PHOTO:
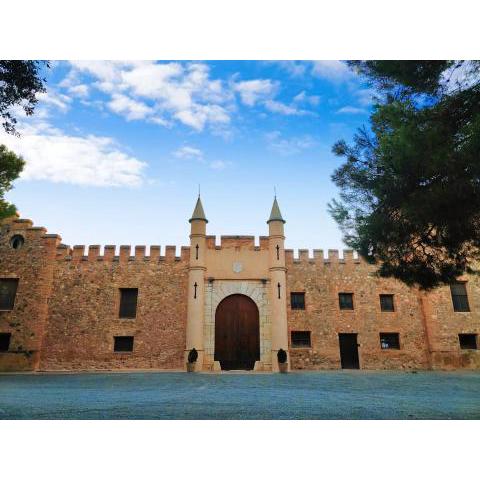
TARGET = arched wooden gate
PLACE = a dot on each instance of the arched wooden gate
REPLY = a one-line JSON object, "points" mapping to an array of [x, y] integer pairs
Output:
{"points": [[237, 333]]}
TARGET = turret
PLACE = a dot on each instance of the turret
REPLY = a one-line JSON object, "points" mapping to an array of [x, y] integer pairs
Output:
{"points": [[276, 221], [196, 283], [278, 282]]}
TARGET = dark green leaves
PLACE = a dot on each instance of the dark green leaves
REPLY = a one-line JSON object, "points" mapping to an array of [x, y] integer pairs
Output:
{"points": [[410, 186]]}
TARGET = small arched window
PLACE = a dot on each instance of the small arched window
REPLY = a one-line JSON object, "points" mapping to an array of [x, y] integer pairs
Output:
{"points": [[17, 242]]}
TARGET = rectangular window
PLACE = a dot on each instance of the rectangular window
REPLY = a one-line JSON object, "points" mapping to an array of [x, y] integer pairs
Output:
{"points": [[301, 339], [389, 341], [128, 302], [345, 301], [5, 341], [459, 297], [468, 341], [297, 301], [8, 290], [123, 344], [386, 303]]}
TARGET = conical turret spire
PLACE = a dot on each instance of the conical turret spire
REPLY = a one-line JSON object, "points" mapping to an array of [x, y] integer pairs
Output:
{"points": [[198, 213], [275, 214]]}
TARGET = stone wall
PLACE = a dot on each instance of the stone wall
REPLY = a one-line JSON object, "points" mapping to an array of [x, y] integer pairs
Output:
{"points": [[84, 310], [32, 264], [66, 311], [322, 280], [444, 325]]}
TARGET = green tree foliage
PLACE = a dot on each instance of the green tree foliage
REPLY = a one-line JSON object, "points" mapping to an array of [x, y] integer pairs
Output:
{"points": [[20, 82], [10, 167], [410, 183]]}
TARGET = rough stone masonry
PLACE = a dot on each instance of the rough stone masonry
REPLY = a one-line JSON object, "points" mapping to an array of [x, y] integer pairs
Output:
{"points": [[72, 308]]}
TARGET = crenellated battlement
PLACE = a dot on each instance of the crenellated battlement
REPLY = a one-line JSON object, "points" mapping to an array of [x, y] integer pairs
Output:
{"points": [[25, 227], [122, 253], [170, 253], [248, 242], [333, 257]]}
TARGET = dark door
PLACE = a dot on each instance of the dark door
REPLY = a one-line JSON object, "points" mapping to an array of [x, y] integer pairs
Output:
{"points": [[348, 350], [237, 338]]}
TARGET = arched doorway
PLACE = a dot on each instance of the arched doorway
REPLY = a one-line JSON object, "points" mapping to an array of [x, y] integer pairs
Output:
{"points": [[237, 333]]}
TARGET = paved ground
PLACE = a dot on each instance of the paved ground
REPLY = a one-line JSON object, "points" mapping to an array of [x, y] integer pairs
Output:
{"points": [[319, 395]]}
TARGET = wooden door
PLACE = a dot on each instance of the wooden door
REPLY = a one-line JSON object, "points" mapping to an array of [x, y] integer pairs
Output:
{"points": [[348, 350], [237, 333]]}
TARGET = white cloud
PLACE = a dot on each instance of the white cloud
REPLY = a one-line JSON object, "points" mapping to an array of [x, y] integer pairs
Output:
{"points": [[293, 67], [333, 70], [200, 115], [288, 146], [55, 156], [302, 97], [52, 98], [351, 110], [129, 108], [188, 153], [253, 91], [279, 107], [461, 75], [163, 93], [192, 153], [79, 90]]}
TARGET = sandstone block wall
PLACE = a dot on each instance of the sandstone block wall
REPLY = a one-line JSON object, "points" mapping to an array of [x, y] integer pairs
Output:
{"points": [[66, 311], [84, 310], [322, 281], [33, 265]]}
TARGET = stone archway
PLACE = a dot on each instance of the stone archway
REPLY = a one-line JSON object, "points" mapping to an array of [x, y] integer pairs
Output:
{"points": [[237, 333], [256, 290]]}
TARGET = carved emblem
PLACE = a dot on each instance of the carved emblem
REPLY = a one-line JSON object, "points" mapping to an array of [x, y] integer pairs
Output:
{"points": [[237, 267]]}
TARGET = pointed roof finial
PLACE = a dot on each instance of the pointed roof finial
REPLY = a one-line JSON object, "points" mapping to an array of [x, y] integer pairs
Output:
{"points": [[275, 214], [274, 191], [198, 190], [198, 213]]}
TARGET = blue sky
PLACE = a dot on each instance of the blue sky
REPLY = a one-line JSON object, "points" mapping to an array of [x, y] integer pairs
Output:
{"points": [[116, 150]]}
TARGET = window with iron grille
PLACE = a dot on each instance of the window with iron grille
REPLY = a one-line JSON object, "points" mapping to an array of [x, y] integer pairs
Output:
{"points": [[345, 301], [8, 290], [389, 341], [468, 341], [123, 344], [386, 303], [459, 297], [128, 302], [297, 300], [301, 339], [5, 341]]}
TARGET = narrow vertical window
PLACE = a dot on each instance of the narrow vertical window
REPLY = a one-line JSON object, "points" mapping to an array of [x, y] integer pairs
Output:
{"points": [[128, 302], [386, 303], [345, 301], [195, 290], [297, 300], [8, 291], [278, 287], [196, 252], [459, 297], [278, 252], [5, 341]]}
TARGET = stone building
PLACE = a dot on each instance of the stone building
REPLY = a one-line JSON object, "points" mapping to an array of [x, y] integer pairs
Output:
{"points": [[237, 303]]}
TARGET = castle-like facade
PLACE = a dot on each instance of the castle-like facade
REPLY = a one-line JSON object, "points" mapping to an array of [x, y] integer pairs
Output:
{"points": [[237, 303]]}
